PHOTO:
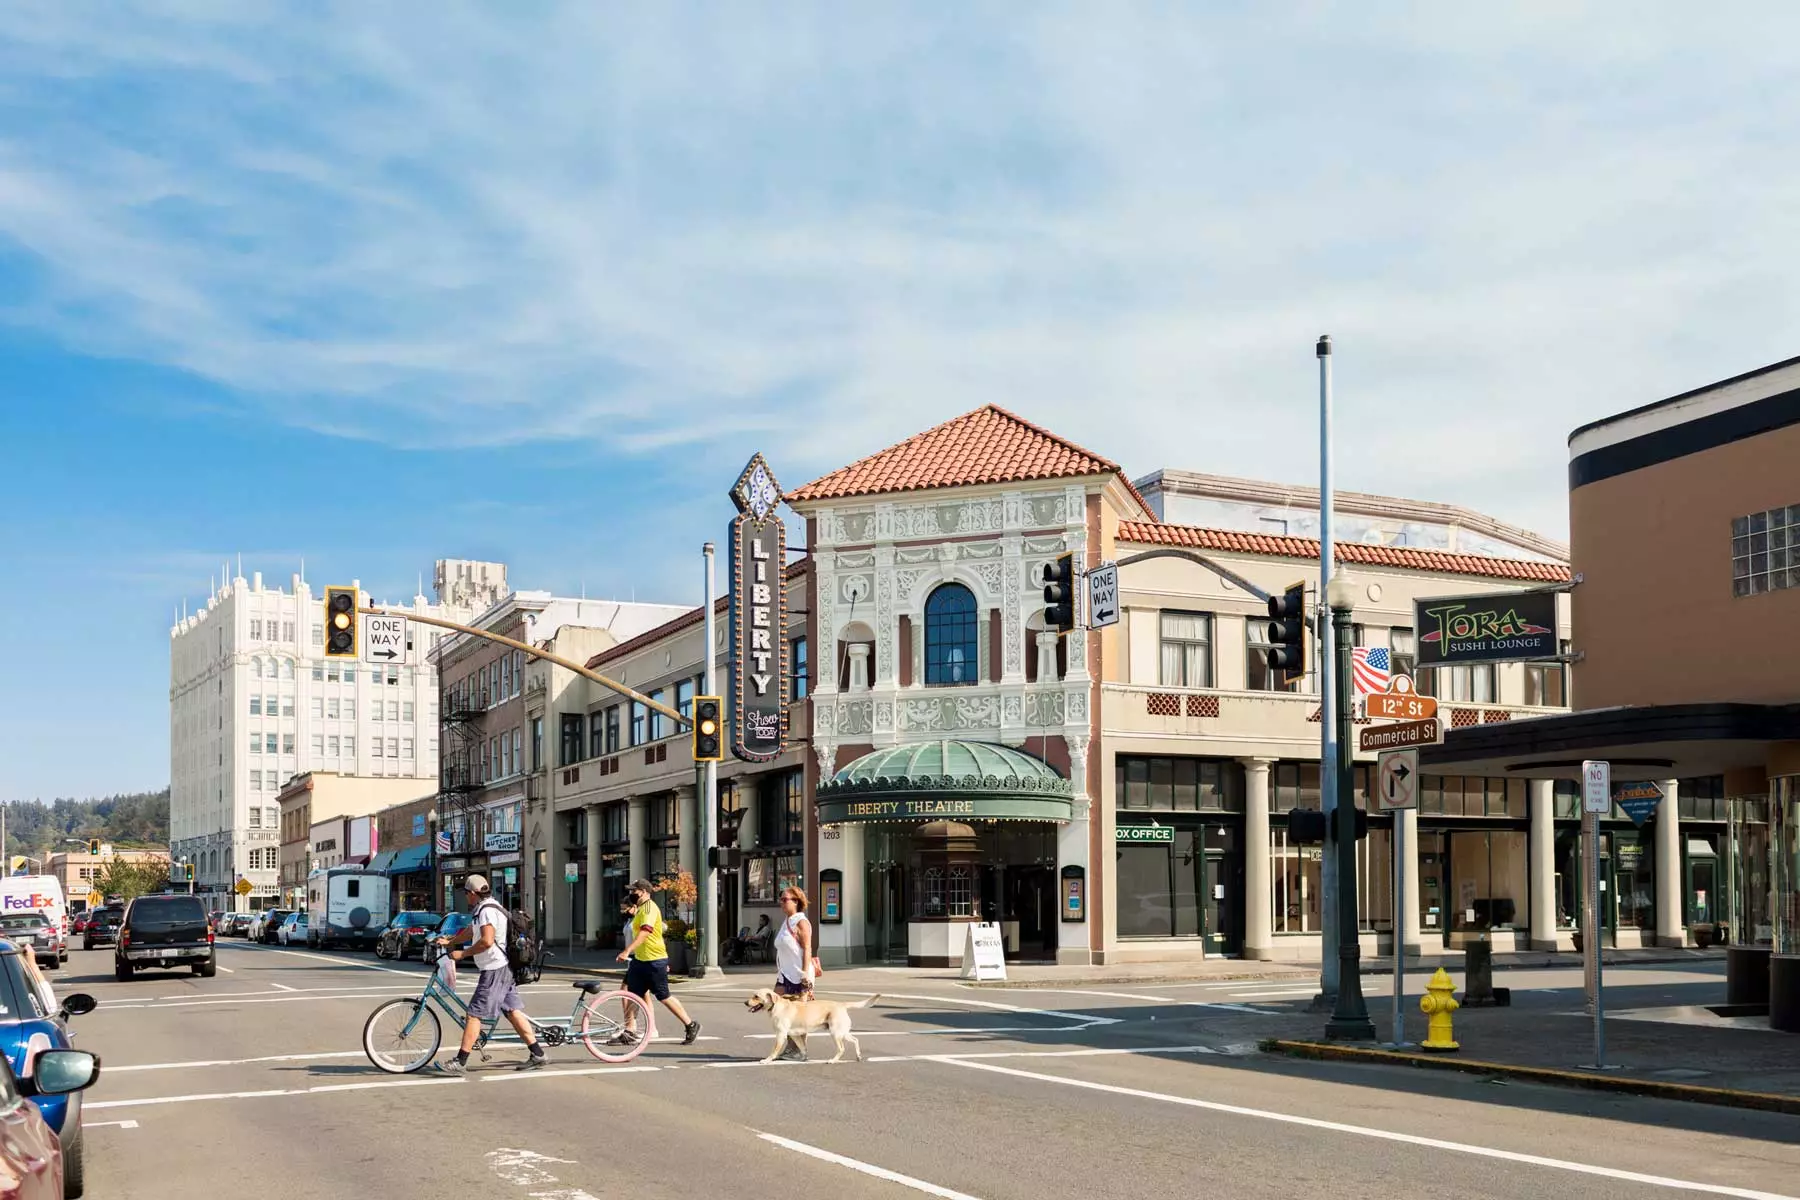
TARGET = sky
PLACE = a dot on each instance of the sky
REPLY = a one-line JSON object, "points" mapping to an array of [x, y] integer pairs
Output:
{"points": [[370, 285]]}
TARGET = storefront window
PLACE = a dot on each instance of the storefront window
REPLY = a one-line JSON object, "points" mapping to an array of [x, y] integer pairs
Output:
{"points": [[1486, 879], [1701, 799], [1752, 915], [1634, 881], [1180, 784], [1784, 845]]}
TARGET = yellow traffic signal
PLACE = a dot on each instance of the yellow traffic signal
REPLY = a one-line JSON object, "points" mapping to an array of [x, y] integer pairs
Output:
{"points": [[340, 622], [709, 730]]}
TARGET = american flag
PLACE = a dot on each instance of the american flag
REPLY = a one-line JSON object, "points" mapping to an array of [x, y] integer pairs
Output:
{"points": [[443, 842], [1370, 667]]}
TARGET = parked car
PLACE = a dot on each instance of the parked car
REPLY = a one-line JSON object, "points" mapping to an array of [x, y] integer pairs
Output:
{"points": [[32, 1025], [79, 922], [406, 934], [293, 930], [272, 920], [102, 927], [240, 924], [452, 925], [36, 1163], [38, 932], [165, 931]]}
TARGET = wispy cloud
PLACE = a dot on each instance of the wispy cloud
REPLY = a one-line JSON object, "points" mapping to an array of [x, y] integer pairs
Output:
{"points": [[441, 225]]}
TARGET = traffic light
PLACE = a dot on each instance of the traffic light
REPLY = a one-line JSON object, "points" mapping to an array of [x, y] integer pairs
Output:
{"points": [[1287, 633], [340, 622], [1309, 826], [1059, 594], [94, 846], [709, 740], [724, 858]]}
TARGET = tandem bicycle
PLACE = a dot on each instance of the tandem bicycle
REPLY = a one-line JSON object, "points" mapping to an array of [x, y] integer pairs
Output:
{"points": [[404, 1035]]}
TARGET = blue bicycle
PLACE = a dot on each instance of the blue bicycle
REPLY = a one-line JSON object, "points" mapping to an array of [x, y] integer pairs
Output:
{"points": [[403, 1036]]}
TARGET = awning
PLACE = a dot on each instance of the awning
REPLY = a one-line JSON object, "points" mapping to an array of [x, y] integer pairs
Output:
{"points": [[380, 861], [405, 862], [945, 780]]}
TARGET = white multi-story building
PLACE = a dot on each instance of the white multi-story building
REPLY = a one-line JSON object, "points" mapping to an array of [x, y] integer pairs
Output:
{"points": [[253, 702]]}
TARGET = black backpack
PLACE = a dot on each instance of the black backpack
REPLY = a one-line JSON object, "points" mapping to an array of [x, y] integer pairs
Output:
{"points": [[524, 953]]}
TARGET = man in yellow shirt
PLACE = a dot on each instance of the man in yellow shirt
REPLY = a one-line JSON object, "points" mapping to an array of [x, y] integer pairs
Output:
{"points": [[647, 959]]}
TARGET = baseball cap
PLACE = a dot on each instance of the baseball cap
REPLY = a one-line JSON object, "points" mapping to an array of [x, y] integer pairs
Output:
{"points": [[474, 883], [641, 885]]}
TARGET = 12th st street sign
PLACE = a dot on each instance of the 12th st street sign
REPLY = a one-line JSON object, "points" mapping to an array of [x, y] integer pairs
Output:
{"points": [[1403, 735]]}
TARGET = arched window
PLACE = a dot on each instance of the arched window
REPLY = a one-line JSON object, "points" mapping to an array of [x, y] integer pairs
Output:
{"points": [[256, 668], [950, 656]]}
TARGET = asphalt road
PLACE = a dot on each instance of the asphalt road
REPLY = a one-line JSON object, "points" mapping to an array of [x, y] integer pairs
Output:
{"points": [[254, 1083]]}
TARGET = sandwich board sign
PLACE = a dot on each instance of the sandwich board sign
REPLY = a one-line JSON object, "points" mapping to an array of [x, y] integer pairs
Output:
{"points": [[984, 954]]}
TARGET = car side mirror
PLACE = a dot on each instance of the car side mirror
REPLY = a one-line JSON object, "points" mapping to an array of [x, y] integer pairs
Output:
{"points": [[79, 1004], [58, 1072]]}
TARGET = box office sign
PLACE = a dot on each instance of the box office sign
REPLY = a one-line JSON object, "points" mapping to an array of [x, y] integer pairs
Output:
{"points": [[758, 606], [1482, 629]]}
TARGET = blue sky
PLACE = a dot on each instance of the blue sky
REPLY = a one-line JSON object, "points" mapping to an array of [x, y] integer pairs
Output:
{"points": [[376, 284]]}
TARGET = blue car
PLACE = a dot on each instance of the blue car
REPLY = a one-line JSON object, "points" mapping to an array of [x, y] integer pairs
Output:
{"points": [[29, 1024]]}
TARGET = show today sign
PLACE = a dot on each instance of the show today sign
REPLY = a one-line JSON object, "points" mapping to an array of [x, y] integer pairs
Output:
{"points": [[758, 607]]}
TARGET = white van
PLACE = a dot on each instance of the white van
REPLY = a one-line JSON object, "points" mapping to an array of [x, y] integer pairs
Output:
{"points": [[36, 893], [346, 906]]}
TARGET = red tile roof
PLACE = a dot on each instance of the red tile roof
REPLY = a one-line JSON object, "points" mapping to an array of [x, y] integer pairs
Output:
{"points": [[989, 445], [1403, 557], [692, 617]]}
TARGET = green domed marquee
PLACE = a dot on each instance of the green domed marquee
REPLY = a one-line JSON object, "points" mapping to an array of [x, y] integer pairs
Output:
{"points": [[945, 780]]}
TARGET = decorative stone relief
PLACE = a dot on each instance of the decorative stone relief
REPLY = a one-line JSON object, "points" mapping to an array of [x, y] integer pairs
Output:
{"points": [[854, 718], [827, 755], [946, 714], [1012, 710], [884, 522], [1078, 752], [916, 523], [1043, 512], [855, 589], [1077, 706], [914, 554], [992, 576], [981, 549], [1043, 708], [884, 715], [824, 658], [854, 527], [1012, 633], [904, 583], [922, 716], [862, 560], [1046, 548], [973, 711], [979, 516], [885, 669], [1014, 515]]}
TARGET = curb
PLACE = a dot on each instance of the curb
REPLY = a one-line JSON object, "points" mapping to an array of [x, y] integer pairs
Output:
{"points": [[1136, 981], [1622, 1085]]}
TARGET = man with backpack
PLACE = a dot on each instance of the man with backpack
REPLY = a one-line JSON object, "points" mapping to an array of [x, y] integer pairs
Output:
{"points": [[496, 990]]}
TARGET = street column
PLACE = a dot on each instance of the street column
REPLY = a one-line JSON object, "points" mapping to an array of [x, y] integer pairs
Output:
{"points": [[590, 825], [1670, 928], [637, 826], [1542, 793], [1259, 923], [687, 808], [1409, 919]]}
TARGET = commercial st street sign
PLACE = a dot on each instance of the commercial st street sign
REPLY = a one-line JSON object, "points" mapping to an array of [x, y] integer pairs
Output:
{"points": [[1519, 626], [1403, 735], [758, 605]]}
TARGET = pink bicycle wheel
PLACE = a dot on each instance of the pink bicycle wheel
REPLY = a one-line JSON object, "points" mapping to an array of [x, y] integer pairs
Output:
{"points": [[606, 1017]]}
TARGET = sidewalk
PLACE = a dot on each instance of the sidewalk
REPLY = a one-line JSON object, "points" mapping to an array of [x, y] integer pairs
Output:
{"points": [[1021, 975]]}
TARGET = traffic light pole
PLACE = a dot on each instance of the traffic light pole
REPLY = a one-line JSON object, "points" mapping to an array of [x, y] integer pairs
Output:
{"points": [[1329, 981], [538, 652], [709, 792], [1349, 1014]]}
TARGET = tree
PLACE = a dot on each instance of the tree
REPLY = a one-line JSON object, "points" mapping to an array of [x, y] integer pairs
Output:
{"points": [[129, 879]]}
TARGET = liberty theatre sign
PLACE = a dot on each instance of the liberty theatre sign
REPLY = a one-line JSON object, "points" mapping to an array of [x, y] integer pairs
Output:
{"points": [[759, 651]]}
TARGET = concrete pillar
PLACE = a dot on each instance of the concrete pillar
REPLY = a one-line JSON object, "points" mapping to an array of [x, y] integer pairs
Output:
{"points": [[1543, 863], [1671, 926], [1046, 648], [842, 942], [637, 823], [687, 807], [1409, 916], [748, 829], [1259, 921], [859, 666], [590, 819], [1074, 939]]}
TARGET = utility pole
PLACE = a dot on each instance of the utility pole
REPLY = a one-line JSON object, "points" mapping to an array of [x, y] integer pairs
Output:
{"points": [[1328, 725], [709, 787]]}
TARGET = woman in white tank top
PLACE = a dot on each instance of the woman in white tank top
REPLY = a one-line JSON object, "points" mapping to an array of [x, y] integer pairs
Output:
{"points": [[793, 947]]}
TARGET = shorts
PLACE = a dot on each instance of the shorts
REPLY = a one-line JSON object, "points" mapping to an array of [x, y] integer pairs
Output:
{"points": [[495, 994], [651, 977], [797, 991]]}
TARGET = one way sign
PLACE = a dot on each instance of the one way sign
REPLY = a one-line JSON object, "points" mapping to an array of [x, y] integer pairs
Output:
{"points": [[383, 639], [1397, 780]]}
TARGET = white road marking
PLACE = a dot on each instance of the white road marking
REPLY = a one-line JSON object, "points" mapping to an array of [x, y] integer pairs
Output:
{"points": [[109, 1124], [952, 1001], [1243, 1008], [233, 1062], [934, 1030], [1090, 1052], [520, 1167], [282, 987], [344, 962], [228, 971], [359, 994], [1386, 1135], [334, 1087], [1104, 995], [553, 1073], [1271, 995], [917, 1185]]}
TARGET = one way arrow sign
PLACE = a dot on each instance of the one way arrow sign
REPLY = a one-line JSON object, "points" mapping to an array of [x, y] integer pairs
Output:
{"points": [[1397, 780], [383, 638]]}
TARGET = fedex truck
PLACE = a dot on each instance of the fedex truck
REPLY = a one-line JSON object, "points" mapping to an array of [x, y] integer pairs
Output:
{"points": [[35, 893]]}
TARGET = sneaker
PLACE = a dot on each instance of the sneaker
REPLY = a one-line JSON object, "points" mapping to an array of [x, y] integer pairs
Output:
{"points": [[692, 1034], [533, 1062], [623, 1038], [450, 1066]]}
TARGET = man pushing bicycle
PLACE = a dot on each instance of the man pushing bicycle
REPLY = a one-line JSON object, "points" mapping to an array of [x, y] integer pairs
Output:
{"points": [[496, 992]]}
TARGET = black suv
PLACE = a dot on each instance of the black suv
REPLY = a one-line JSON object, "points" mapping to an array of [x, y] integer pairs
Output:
{"points": [[165, 931], [270, 923], [102, 927]]}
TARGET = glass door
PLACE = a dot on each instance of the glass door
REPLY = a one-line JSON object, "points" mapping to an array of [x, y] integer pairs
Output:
{"points": [[1222, 892]]}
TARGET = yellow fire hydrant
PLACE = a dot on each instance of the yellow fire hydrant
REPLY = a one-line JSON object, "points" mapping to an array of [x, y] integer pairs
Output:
{"points": [[1438, 1002]]}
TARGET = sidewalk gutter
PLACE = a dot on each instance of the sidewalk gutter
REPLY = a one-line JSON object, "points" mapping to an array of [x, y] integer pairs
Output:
{"points": [[1593, 1081]]}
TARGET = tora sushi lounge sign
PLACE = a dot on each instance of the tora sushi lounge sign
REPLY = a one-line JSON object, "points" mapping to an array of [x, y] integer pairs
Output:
{"points": [[1509, 627]]}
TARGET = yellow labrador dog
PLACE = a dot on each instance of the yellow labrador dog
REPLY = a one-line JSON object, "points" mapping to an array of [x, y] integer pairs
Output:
{"points": [[794, 1019]]}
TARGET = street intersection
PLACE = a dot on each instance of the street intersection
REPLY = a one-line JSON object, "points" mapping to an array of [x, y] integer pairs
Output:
{"points": [[255, 1079]]}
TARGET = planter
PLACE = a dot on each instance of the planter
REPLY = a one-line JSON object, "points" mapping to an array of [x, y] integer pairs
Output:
{"points": [[1703, 936], [1578, 942], [680, 958]]}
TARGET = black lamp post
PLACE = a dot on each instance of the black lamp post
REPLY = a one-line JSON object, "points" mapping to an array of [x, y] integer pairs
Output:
{"points": [[1349, 1015], [431, 861]]}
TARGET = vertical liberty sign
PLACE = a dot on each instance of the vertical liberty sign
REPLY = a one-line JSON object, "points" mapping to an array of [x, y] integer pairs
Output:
{"points": [[759, 650]]}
